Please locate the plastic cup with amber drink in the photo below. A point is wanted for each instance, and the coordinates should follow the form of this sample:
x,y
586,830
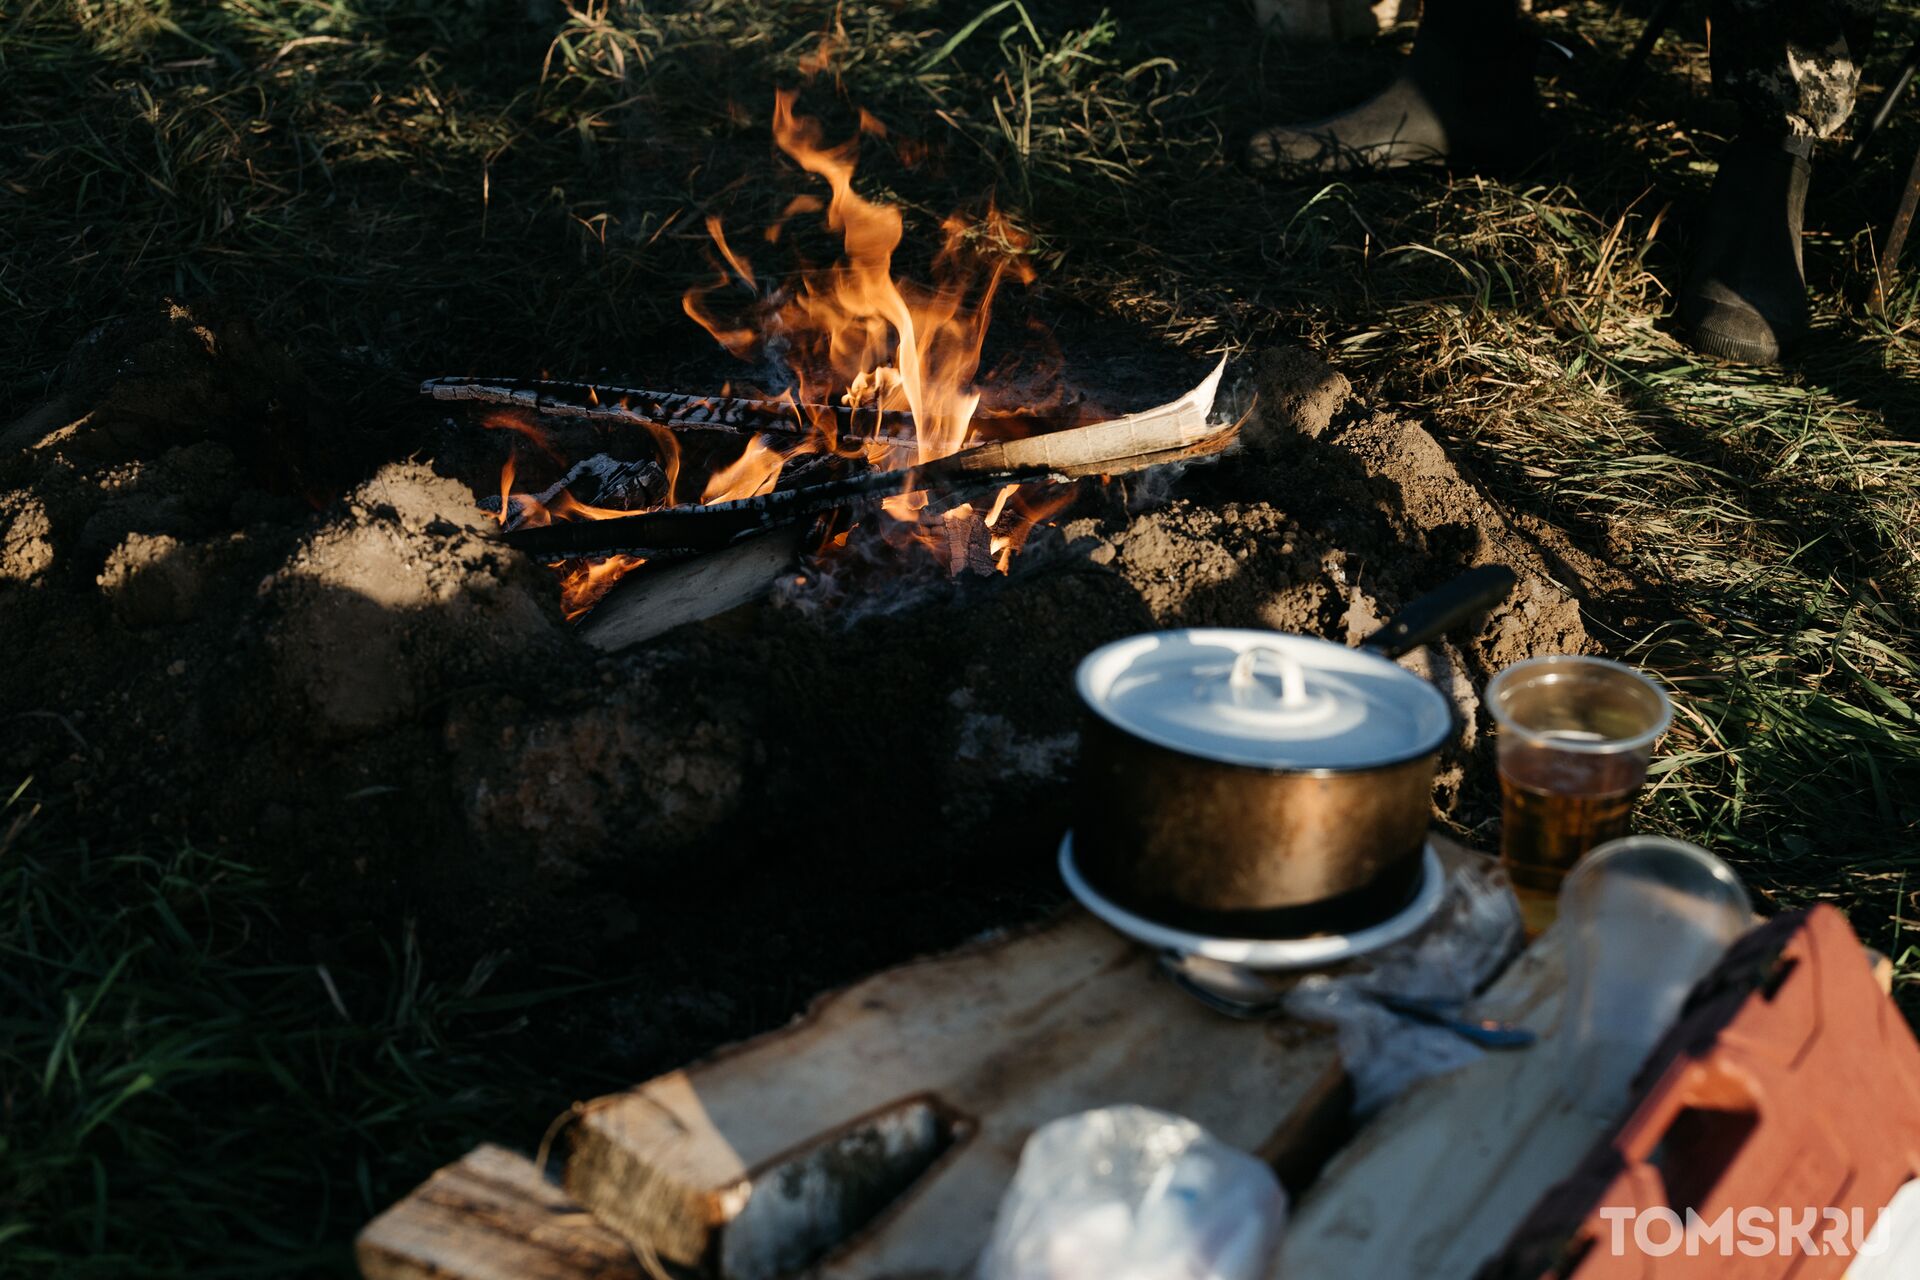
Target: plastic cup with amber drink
x,y
1575,737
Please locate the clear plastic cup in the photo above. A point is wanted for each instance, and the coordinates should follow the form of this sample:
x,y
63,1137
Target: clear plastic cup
x,y
1645,918
1575,737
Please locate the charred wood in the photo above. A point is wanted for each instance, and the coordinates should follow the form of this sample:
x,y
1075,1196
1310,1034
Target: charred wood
x,y
1170,432
734,415
730,415
599,481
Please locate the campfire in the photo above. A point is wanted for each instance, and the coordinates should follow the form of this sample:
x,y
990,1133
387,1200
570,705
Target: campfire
x,y
875,446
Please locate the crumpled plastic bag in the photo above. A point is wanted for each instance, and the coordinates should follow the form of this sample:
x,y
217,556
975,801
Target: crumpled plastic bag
x,y
1474,933
1130,1193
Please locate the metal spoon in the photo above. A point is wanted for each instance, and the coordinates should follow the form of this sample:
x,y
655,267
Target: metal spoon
x,y
1238,992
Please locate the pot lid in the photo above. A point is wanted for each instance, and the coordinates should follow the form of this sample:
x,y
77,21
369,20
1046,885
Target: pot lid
x,y
1264,699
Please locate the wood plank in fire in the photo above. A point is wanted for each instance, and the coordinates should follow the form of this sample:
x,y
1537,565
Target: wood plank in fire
x,y
1177,429
644,605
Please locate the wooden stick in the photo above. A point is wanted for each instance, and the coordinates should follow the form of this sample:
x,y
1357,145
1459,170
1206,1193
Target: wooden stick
x,y
1895,238
733,415
1091,448
1166,433
736,415
713,525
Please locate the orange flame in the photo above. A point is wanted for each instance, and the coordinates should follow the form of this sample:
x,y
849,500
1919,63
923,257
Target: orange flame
x,y
856,315
739,265
507,420
1033,506
506,489
668,446
753,473
853,335
584,582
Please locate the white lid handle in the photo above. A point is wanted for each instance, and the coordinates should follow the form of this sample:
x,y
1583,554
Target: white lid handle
x,y
1245,689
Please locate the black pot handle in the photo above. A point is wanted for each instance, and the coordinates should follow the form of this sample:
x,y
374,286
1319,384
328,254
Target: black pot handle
x,y
1440,611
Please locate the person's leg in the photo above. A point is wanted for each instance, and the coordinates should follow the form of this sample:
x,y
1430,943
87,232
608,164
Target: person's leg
x,y
1466,95
1792,67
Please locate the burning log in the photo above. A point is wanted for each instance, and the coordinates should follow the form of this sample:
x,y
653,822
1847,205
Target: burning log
x,y
599,481
969,546
1098,447
699,526
1169,432
727,415
745,567
731,415
645,606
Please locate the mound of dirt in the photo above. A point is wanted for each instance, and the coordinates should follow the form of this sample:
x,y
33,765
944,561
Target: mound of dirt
x,y
361,681
399,599
216,650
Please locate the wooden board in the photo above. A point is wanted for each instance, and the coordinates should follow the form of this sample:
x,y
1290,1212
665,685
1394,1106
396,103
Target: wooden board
x,y
1435,1183
1438,1182
492,1216
762,1158
875,1136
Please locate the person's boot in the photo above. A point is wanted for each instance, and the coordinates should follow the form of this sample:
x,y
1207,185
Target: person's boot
x,y
1746,295
1466,97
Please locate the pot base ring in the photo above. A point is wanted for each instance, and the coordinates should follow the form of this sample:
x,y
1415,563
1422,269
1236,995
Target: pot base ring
x,y
1265,953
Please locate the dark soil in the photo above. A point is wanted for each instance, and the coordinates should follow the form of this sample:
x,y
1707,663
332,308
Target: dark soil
x,y
376,692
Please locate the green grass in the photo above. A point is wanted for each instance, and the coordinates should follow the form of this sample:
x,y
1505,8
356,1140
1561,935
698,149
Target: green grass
x,y
1777,519
185,1091
397,188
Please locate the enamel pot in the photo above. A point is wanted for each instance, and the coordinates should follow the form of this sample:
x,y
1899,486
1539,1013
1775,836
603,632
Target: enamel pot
x,y
1254,784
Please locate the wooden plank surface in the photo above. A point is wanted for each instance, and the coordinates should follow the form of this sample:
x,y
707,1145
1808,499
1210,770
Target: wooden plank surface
x,y
1436,1183
990,1042
875,1136
491,1216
